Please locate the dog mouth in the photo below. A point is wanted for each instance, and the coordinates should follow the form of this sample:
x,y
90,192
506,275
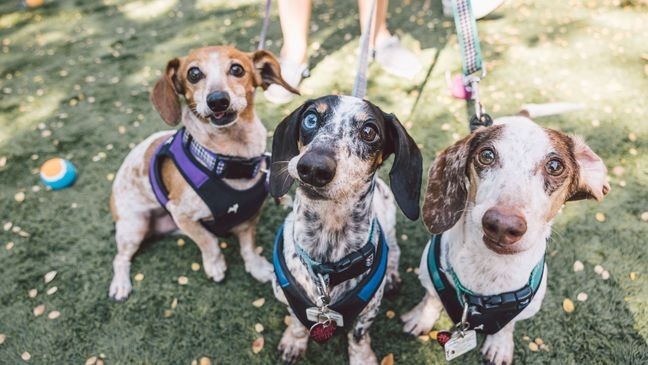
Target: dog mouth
x,y
311,192
499,247
223,118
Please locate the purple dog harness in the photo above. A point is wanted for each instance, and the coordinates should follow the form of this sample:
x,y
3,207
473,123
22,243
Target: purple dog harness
x,y
205,170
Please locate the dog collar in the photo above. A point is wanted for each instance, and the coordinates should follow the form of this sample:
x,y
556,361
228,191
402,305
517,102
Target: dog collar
x,y
486,313
351,304
223,166
350,266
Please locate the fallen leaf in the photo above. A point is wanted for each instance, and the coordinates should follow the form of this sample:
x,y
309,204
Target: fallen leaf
x,y
223,245
633,275
52,290
578,266
258,327
25,356
390,314
568,305
598,269
183,280
139,276
257,345
54,314
433,335
20,197
388,360
259,302
423,338
581,297
605,275
204,361
39,310
174,303
538,341
32,293
287,320
533,346
91,360
195,266
180,242
3,337
600,217
50,276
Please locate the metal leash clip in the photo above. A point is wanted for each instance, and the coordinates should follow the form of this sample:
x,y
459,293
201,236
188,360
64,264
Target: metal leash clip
x,y
463,339
480,118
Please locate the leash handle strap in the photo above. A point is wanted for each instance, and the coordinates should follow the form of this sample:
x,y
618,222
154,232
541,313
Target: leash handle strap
x,y
264,27
360,85
468,37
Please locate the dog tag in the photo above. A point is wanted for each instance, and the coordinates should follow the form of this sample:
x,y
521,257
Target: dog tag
x,y
315,314
322,331
460,343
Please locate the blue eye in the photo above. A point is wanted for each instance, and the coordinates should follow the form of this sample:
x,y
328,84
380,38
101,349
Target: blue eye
x,y
310,121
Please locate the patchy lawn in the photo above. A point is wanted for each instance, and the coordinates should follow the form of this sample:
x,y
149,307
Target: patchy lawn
x,y
75,78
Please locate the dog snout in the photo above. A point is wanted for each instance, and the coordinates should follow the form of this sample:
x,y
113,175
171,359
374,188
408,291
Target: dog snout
x,y
504,225
316,168
218,101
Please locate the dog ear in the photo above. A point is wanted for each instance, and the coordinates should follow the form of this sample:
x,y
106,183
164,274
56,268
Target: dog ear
x,y
284,148
446,194
165,97
592,179
407,169
268,71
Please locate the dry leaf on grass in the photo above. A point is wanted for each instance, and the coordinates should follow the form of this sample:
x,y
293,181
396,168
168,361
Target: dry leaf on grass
x,y
388,360
257,345
259,302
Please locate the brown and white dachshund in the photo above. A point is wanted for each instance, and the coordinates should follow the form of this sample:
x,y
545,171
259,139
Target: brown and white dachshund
x,y
494,195
218,85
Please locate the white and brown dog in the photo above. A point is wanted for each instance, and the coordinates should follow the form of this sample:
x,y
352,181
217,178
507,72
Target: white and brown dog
x,y
222,140
339,242
490,201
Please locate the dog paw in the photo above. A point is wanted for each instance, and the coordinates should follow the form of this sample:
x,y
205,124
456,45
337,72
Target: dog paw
x,y
392,284
260,269
291,347
420,319
120,287
498,349
215,267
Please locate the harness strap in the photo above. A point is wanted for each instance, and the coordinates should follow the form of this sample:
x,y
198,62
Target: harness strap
x,y
486,313
350,305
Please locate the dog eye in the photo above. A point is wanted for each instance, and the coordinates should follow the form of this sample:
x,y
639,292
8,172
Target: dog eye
x,y
310,121
194,75
236,70
368,133
554,167
486,156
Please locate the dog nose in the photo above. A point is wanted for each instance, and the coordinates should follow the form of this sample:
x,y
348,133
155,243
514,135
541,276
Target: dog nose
x,y
504,225
218,101
316,168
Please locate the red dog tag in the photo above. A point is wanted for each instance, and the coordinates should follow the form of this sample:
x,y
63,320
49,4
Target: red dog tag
x,y
323,331
443,337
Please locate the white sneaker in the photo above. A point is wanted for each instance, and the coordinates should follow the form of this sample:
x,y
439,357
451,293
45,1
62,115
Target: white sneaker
x,y
396,59
292,73
481,8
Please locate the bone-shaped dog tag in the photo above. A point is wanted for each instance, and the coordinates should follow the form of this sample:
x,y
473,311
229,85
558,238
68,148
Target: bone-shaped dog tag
x,y
460,343
315,314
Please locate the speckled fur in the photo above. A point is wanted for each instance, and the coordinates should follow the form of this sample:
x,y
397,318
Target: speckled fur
x,y
332,221
135,209
516,179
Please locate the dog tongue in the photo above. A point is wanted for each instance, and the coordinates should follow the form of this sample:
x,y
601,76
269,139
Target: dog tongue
x,y
219,115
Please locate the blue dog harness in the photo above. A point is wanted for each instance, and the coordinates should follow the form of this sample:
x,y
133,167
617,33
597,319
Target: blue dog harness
x,y
352,265
205,170
486,313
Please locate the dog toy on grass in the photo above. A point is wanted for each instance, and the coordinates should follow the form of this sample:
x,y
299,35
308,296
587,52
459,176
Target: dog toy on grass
x,y
58,173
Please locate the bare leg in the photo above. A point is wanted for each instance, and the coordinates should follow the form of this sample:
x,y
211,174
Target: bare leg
x,y
294,16
379,31
255,264
294,341
130,232
213,259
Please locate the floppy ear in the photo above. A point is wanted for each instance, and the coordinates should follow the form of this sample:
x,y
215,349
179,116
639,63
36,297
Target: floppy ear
x,y
284,148
592,178
165,97
268,71
446,194
407,169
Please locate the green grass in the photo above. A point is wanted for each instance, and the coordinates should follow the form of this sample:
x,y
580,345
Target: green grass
x,y
74,74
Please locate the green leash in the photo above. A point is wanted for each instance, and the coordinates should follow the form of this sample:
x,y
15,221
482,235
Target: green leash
x,y
468,37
